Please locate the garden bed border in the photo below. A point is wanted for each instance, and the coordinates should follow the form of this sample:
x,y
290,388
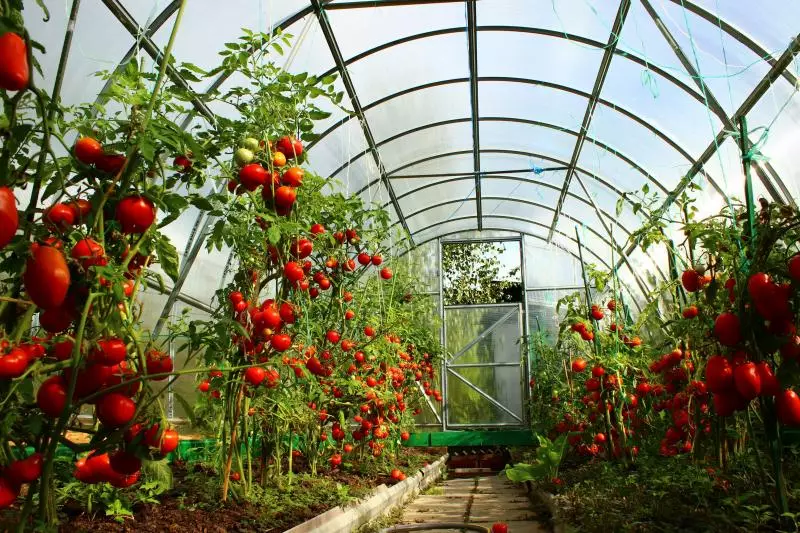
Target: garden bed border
x,y
382,500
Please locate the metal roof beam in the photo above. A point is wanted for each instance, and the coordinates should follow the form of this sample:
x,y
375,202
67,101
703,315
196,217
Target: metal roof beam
x,y
712,101
330,38
763,86
605,64
472,48
130,24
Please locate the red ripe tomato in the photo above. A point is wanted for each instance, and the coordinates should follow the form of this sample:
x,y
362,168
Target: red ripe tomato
x,y
727,329
13,364
183,163
135,214
290,147
348,448
166,441
235,297
301,248
25,470
281,342
57,319
788,404
125,463
499,527
158,362
349,314
579,365
690,312
332,336
317,229
386,273
114,410
347,297
8,489
204,386
9,217
643,389
60,217
794,267
769,383
315,367
364,259
110,163
369,331
14,68
598,371
252,176
404,436
46,276
719,375
88,150
255,375
747,381
122,481
287,313
377,259
120,375
52,396
285,196
293,177
691,280
88,253
110,351
335,460
293,271
600,438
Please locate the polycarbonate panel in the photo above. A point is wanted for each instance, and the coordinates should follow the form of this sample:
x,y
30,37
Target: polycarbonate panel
x,y
538,57
779,109
152,302
497,162
612,169
605,199
409,65
542,314
725,168
523,189
358,30
632,140
595,250
729,69
773,24
336,149
508,207
533,102
376,196
443,214
501,221
485,234
526,138
436,104
661,103
467,406
426,143
451,226
549,266
423,260
99,43
267,13
443,192
204,277
194,45
579,17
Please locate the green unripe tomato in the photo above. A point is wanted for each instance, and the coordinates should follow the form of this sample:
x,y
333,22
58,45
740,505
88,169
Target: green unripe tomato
x,y
243,156
251,144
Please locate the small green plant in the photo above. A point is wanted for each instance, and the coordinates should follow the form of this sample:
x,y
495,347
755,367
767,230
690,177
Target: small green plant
x,y
548,459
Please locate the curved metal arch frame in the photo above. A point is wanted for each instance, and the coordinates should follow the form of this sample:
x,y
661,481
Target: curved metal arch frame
x,y
545,226
607,242
528,81
509,178
626,159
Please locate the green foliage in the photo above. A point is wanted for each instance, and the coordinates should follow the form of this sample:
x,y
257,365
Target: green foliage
x,y
549,455
470,274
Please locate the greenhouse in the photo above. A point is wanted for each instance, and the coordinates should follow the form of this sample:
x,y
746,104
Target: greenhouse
x,y
399,265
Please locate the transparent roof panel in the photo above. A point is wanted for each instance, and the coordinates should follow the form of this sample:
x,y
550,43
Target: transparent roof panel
x,y
531,102
426,143
549,266
435,194
443,214
616,172
445,102
494,207
523,188
358,30
526,138
458,162
338,147
591,19
510,54
411,64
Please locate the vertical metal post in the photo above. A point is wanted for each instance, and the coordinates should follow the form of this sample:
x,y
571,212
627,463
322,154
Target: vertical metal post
x,y
526,360
744,146
442,333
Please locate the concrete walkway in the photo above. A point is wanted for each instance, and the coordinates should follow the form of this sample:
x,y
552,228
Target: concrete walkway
x,y
481,500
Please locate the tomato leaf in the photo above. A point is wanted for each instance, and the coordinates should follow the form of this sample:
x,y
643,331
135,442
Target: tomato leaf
x,y
168,257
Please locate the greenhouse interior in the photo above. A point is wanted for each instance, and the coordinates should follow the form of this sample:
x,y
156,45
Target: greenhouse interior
x,y
260,273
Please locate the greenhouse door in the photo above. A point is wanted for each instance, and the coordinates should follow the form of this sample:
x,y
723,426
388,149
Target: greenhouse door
x,y
483,379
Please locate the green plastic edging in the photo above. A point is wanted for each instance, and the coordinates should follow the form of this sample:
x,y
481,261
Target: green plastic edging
x,y
472,438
